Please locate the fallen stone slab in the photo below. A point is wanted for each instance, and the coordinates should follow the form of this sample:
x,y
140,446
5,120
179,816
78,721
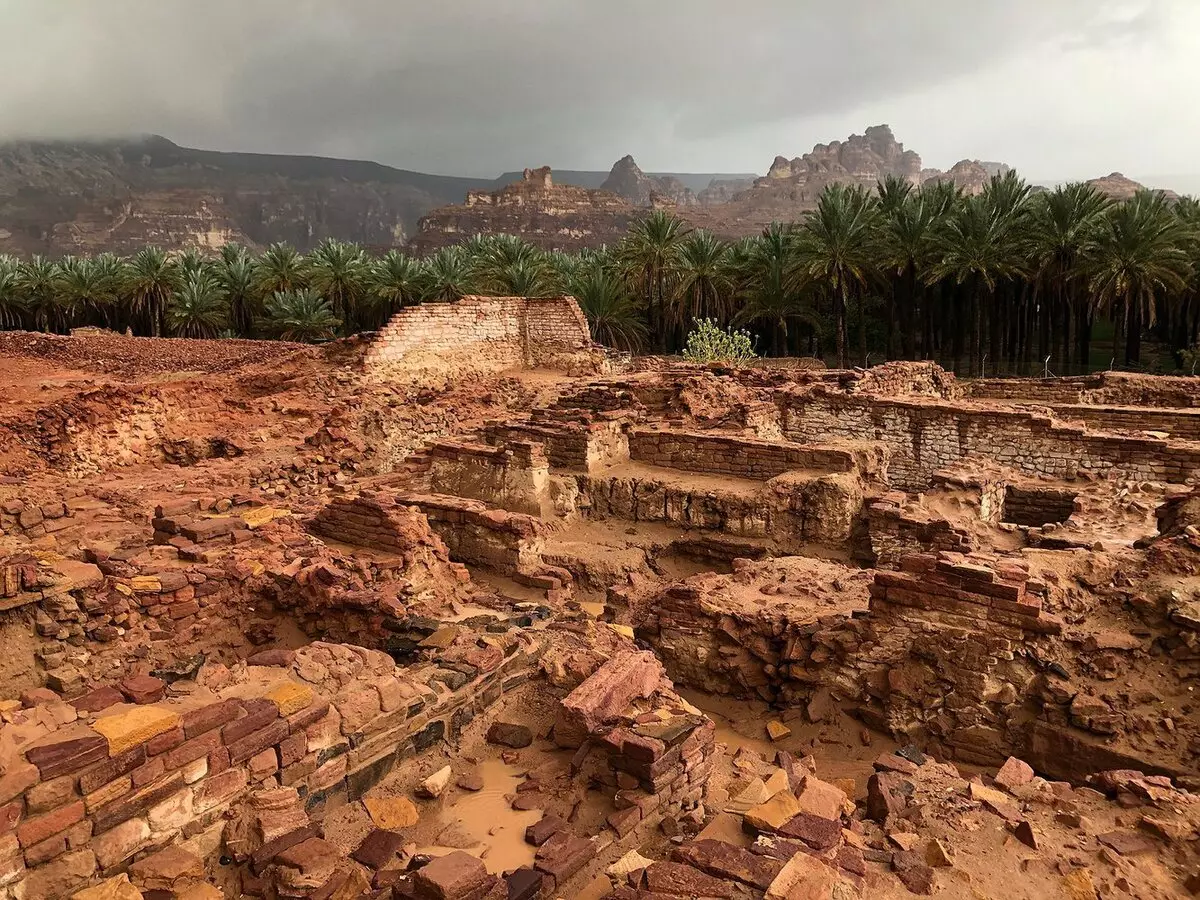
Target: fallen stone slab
x,y
723,860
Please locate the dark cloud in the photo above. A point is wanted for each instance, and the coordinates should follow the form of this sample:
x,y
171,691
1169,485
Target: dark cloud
x,y
479,86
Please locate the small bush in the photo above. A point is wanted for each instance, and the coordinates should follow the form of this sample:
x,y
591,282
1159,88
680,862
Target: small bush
x,y
709,342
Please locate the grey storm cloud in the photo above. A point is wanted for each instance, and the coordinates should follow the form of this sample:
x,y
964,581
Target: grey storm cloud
x,y
479,86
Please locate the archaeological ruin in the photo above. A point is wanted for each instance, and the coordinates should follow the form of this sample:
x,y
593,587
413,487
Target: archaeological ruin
x,y
473,608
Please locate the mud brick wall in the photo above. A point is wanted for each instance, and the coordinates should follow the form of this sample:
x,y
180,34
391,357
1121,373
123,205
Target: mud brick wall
x,y
893,533
1182,425
568,444
1102,388
115,779
1036,507
475,533
742,457
817,510
512,476
490,332
376,519
948,628
925,436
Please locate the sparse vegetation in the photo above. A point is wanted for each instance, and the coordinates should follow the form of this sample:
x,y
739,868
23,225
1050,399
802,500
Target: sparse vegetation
x,y
1011,280
709,342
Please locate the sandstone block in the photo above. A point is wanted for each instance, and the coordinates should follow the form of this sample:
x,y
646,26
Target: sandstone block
x,y
120,842
123,731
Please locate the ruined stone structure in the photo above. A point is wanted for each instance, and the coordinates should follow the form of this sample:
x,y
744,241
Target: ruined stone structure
x,y
457,613
480,333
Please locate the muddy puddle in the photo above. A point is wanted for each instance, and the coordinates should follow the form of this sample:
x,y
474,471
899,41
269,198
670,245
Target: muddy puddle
x,y
490,827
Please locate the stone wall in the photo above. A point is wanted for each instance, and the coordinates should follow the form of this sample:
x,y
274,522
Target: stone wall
x,y
478,534
514,476
586,446
483,334
1102,388
745,457
927,435
121,770
1037,506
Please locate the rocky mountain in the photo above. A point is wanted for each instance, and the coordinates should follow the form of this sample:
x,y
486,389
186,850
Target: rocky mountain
x,y
628,181
86,197
1117,187
554,216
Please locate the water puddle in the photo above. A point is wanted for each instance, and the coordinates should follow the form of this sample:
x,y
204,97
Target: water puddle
x,y
486,818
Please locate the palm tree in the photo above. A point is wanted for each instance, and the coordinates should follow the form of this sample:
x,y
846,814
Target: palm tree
x,y
88,283
279,268
704,284
1139,256
838,249
976,247
771,286
394,281
199,309
1063,224
150,280
12,302
302,315
610,309
510,266
909,219
191,263
37,280
649,256
338,272
447,276
237,274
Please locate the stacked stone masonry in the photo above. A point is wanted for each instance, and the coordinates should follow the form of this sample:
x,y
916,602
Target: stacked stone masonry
x,y
486,333
124,770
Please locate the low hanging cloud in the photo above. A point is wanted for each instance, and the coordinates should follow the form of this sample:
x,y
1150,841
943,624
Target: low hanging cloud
x,y
479,86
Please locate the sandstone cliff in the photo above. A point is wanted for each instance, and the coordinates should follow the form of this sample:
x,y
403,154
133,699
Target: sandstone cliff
x,y
88,197
554,216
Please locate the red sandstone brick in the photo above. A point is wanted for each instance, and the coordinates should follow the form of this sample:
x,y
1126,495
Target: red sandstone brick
x,y
253,743
192,750
36,830
61,757
161,743
206,718
149,773
259,714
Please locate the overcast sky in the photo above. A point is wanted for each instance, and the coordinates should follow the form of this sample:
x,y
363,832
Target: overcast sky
x,y
1057,88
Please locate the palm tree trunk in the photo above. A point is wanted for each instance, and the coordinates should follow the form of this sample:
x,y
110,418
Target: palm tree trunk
x,y
840,321
1133,335
977,327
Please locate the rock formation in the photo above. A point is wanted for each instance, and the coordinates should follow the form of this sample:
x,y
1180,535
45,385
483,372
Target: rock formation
x,y
630,182
554,216
58,197
1117,187
969,176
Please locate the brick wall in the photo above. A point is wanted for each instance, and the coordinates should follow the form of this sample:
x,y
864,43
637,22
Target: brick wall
x,y
480,333
514,476
745,457
98,781
927,435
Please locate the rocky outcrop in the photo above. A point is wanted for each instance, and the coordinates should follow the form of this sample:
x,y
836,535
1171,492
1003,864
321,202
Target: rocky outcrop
x,y
628,181
969,176
554,216
1117,187
871,155
59,197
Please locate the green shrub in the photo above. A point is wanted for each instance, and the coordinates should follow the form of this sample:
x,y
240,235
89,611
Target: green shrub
x,y
709,342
